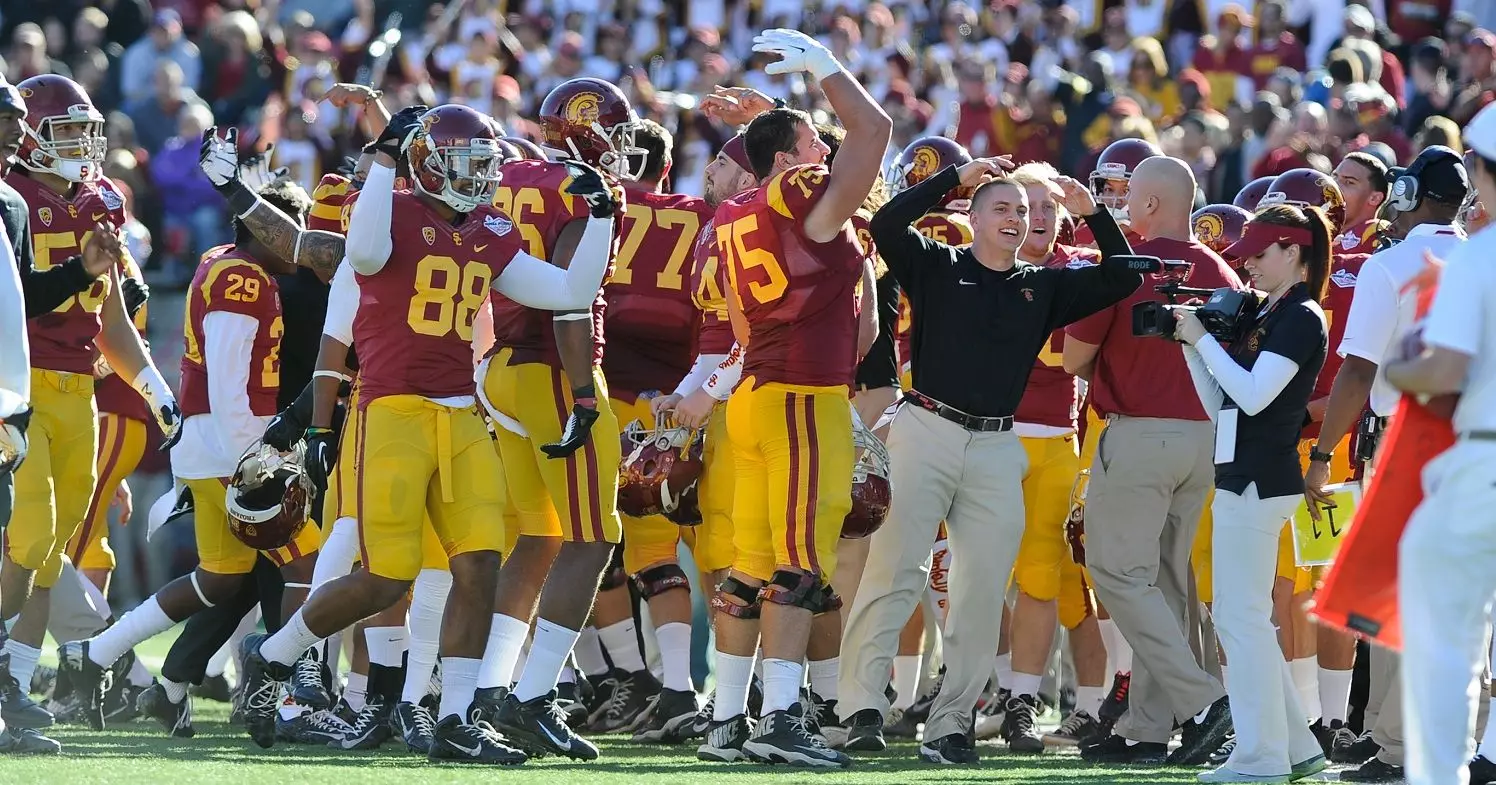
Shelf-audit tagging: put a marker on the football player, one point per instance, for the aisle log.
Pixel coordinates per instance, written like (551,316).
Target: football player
(1363,181)
(1217,226)
(1109,184)
(73,209)
(543,385)
(794,265)
(423,448)
(1250,195)
(230,378)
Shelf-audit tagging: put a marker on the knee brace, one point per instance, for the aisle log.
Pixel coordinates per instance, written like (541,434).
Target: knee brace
(829,600)
(658,580)
(613,578)
(748,595)
(796,589)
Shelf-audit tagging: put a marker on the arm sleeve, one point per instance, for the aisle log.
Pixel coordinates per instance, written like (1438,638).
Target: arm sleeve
(727,375)
(544,286)
(228,346)
(1206,387)
(369,244)
(1252,390)
(15,354)
(1457,319)
(342,306)
(1373,316)
(903,248)
(701,370)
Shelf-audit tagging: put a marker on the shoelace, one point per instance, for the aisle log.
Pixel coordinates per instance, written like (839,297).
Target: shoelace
(618,701)
(184,719)
(1022,713)
(557,713)
(327,722)
(307,670)
(367,719)
(422,722)
(1344,737)
(264,699)
(800,726)
(1074,723)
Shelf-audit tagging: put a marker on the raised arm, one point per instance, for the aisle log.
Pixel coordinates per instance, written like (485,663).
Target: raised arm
(539,284)
(369,243)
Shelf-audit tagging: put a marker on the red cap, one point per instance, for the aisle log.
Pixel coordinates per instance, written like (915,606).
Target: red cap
(1260,234)
(736,150)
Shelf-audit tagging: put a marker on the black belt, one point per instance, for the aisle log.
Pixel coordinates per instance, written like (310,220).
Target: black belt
(1479,436)
(970,422)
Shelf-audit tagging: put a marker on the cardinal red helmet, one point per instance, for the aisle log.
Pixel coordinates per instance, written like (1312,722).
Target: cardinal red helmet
(590,120)
(660,471)
(1075,522)
(871,490)
(529,151)
(267,498)
(1219,225)
(64,133)
(1308,188)
(923,159)
(1251,194)
(455,157)
(1116,165)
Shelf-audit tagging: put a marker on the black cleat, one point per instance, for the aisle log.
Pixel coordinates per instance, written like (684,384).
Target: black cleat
(17,708)
(1115,704)
(1198,737)
(569,696)
(599,691)
(261,689)
(312,727)
(454,741)
(538,726)
(703,721)
(1019,720)
(1353,749)
(370,729)
(1076,728)
(865,732)
(27,741)
(784,737)
(307,687)
(673,716)
(1374,770)
(174,718)
(120,702)
(214,688)
(1482,771)
(828,723)
(415,726)
(627,707)
(953,749)
(1115,750)
(919,711)
(88,680)
(486,703)
(43,680)
(724,740)
(900,725)
(1223,753)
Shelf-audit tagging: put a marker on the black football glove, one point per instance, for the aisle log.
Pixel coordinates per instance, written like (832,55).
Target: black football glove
(578,425)
(398,133)
(135,292)
(321,456)
(588,183)
(288,426)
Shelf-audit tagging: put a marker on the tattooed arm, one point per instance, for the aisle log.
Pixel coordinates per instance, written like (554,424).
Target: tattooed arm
(314,248)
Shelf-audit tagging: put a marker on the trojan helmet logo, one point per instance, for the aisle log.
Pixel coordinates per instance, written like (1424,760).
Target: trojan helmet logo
(1209,228)
(1333,198)
(45,214)
(429,235)
(27,92)
(583,109)
(926,164)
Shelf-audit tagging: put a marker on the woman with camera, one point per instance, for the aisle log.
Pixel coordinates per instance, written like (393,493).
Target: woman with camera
(1258,389)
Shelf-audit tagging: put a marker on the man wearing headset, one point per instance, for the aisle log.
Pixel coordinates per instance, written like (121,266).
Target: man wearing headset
(1427,198)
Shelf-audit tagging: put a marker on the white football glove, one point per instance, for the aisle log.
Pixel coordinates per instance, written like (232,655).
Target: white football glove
(219,156)
(798,52)
(255,171)
(163,404)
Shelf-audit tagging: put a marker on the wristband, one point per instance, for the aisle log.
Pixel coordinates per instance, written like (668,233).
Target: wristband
(313,430)
(242,201)
(326,374)
(1317,455)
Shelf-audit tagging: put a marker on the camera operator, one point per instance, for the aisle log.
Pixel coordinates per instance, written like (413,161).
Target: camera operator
(1258,392)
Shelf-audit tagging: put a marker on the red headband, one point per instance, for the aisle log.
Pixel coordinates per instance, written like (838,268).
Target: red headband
(1260,234)
(738,152)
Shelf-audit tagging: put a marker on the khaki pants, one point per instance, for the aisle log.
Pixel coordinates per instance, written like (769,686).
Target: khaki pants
(1148,486)
(974,482)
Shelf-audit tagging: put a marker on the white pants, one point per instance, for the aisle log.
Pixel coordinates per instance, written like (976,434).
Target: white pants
(1446,579)
(1271,734)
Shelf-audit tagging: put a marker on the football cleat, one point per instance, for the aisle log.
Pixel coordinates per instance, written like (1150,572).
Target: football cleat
(214,688)
(865,732)
(629,704)
(88,679)
(1020,717)
(454,741)
(312,727)
(1077,727)
(1199,737)
(415,725)
(596,700)
(27,741)
(569,696)
(175,718)
(1115,704)
(486,703)
(919,711)
(119,703)
(43,680)
(828,724)
(539,727)
(725,739)
(672,718)
(989,719)
(703,720)
(307,688)
(370,729)
(1116,750)
(953,749)
(17,708)
(900,725)
(785,737)
(261,687)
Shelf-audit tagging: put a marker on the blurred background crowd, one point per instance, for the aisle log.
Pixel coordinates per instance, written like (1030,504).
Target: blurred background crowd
(1239,89)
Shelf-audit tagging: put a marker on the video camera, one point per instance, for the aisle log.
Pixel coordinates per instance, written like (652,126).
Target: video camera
(1224,313)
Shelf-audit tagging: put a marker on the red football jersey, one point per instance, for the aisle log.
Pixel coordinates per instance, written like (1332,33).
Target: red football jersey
(60,226)
(709,282)
(1052,396)
(414,328)
(1344,268)
(231,281)
(651,309)
(1084,238)
(947,226)
(1359,239)
(1147,377)
(328,197)
(113,394)
(534,194)
(799,296)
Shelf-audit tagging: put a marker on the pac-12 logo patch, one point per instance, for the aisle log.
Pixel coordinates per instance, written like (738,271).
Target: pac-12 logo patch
(1345,279)
(45,214)
(429,234)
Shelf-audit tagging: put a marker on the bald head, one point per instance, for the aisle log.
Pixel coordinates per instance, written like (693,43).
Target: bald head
(1159,198)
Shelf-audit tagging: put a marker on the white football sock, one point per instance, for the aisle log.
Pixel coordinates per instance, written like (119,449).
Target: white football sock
(548,654)
(1089,699)
(1025,684)
(1335,694)
(293,639)
(175,690)
(1305,672)
(428,601)
(906,679)
(675,653)
(138,675)
(356,692)
(1002,665)
(589,654)
(387,645)
(23,662)
(622,642)
(219,662)
(100,604)
(734,675)
(506,636)
(782,680)
(823,676)
(145,622)
(459,683)
(1118,652)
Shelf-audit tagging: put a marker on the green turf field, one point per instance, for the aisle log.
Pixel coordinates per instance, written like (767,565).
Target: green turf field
(138,753)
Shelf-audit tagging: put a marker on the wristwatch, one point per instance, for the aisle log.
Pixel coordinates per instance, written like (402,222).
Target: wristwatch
(1316,455)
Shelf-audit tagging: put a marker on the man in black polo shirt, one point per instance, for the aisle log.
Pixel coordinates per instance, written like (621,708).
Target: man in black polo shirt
(981,318)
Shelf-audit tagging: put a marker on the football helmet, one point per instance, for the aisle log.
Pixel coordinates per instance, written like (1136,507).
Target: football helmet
(872,492)
(1251,194)
(1075,522)
(1219,225)
(590,120)
(454,157)
(1308,188)
(659,475)
(923,159)
(55,103)
(528,150)
(267,497)
(1116,164)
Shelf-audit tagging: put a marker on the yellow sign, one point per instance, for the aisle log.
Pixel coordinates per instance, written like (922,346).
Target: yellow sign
(1315,542)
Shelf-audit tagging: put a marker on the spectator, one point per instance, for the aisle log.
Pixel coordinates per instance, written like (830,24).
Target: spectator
(1360,26)
(1477,76)
(89,34)
(1433,90)
(975,126)
(1375,116)
(192,211)
(28,55)
(155,116)
(473,76)
(164,42)
(1288,85)
(128,20)
(1148,81)
(236,73)
(1275,48)
(1438,130)
(1117,44)
(1090,108)
(1222,60)
(1344,69)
